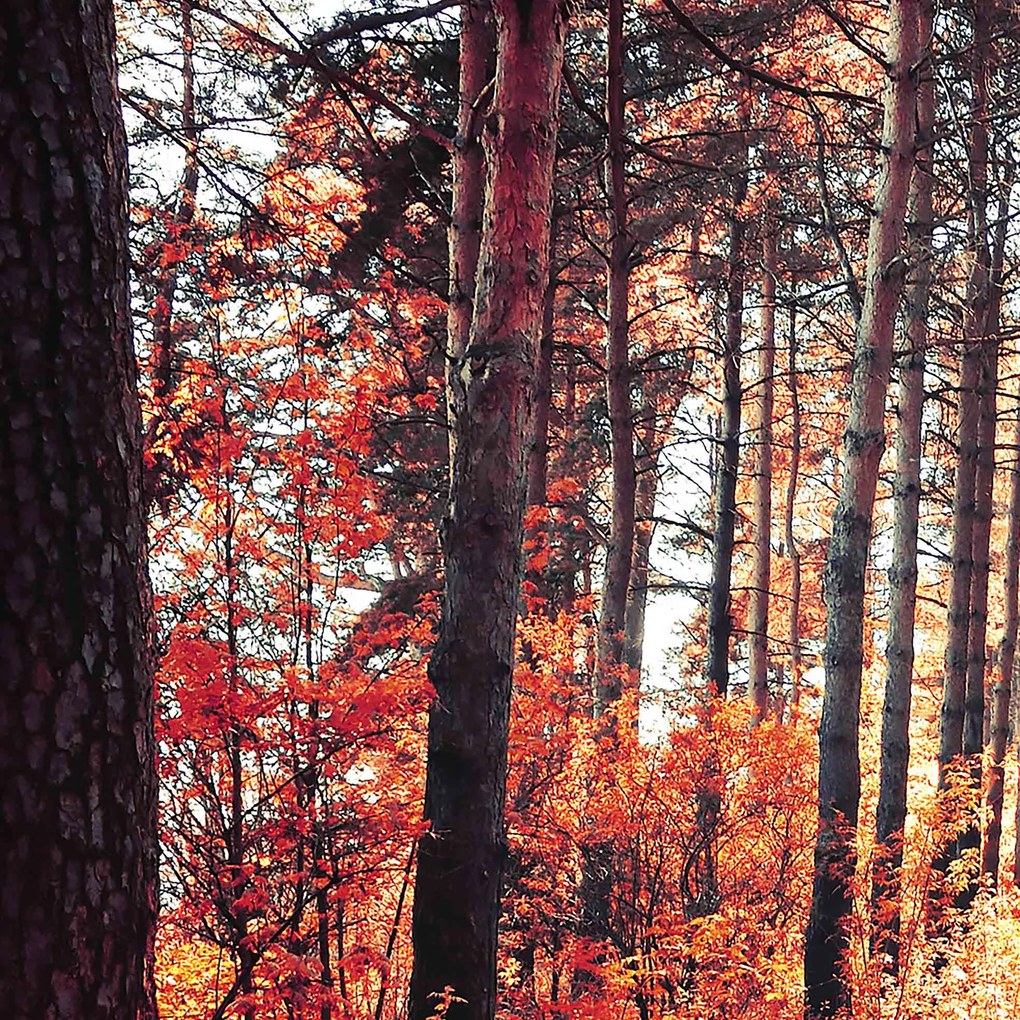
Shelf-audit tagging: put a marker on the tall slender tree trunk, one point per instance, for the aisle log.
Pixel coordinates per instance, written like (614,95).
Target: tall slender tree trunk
(1000,707)
(793,551)
(538,456)
(1004,680)
(477,54)
(761,499)
(621,413)
(891,813)
(644,526)
(77,777)
(827,990)
(961,732)
(720,620)
(460,861)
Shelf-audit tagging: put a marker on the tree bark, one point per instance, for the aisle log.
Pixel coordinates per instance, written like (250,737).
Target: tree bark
(644,527)
(477,49)
(720,621)
(892,797)
(619,555)
(1000,708)
(460,861)
(77,778)
(761,499)
(827,990)
(796,661)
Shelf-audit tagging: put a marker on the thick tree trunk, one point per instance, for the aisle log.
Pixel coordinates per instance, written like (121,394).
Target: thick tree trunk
(720,621)
(892,797)
(827,991)
(77,780)
(477,50)
(761,498)
(619,555)
(460,861)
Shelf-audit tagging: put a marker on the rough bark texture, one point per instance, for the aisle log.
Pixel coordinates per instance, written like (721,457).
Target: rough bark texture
(460,861)
(621,413)
(720,622)
(477,48)
(761,498)
(839,771)
(77,782)
(891,812)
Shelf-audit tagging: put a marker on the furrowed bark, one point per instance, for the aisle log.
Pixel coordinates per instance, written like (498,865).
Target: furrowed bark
(77,777)
(891,812)
(460,861)
(827,989)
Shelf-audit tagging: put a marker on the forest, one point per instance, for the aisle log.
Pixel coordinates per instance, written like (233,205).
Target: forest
(509,509)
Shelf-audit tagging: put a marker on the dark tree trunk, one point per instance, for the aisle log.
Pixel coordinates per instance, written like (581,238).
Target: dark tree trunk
(460,861)
(644,527)
(892,797)
(720,620)
(621,413)
(839,781)
(77,780)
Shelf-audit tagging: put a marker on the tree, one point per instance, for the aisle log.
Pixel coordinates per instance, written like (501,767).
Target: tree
(456,906)
(839,780)
(77,778)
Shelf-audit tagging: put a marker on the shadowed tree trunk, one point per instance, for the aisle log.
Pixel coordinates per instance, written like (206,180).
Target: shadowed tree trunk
(621,413)
(892,797)
(460,861)
(839,781)
(644,527)
(77,779)
(720,620)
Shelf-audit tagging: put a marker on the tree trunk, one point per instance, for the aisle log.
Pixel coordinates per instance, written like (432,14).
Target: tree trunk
(77,778)
(644,528)
(456,904)
(796,662)
(999,720)
(621,414)
(761,499)
(892,797)
(720,621)
(839,781)
(538,456)
(477,49)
